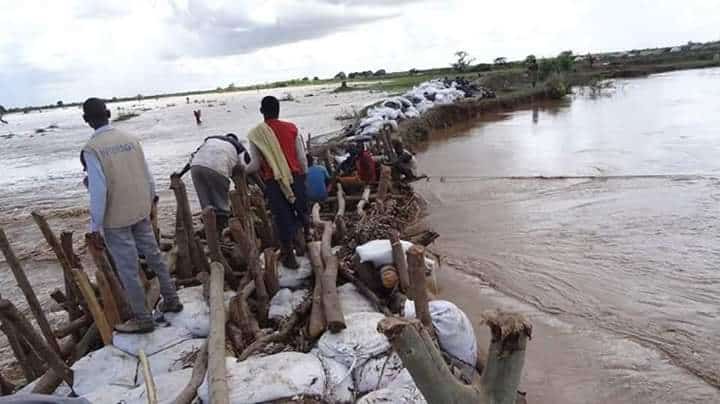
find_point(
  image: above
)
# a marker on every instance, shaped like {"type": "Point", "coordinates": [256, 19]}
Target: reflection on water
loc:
{"type": "Point", "coordinates": [631, 252]}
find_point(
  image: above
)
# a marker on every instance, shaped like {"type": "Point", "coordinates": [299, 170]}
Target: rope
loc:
{"type": "Point", "coordinates": [467, 178]}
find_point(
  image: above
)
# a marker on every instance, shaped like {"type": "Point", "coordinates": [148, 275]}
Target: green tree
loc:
{"type": "Point", "coordinates": [60, 103]}
{"type": "Point", "coordinates": [566, 61]}
{"type": "Point", "coordinates": [463, 61]}
{"type": "Point", "coordinates": [501, 61]}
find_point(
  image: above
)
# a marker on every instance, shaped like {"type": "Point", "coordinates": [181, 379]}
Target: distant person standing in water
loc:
{"type": "Point", "coordinates": [211, 167]}
{"type": "Point", "coordinates": [278, 152]}
{"type": "Point", "coordinates": [122, 193]}
{"type": "Point", "coordinates": [198, 115]}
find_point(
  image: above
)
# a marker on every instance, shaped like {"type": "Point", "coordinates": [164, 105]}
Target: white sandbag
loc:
{"type": "Point", "coordinates": [173, 358]}
{"type": "Point", "coordinates": [351, 301]}
{"type": "Point", "coordinates": [401, 391]}
{"type": "Point", "coordinates": [274, 377]}
{"type": "Point", "coordinates": [107, 394]}
{"type": "Point", "coordinates": [295, 278]}
{"type": "Point", "coordinates": [379, 252]}
{"type": "Point", "coordinates": [192, 294]}
{"type": "Point", "coordinates": [357, 343]}
{"type": "Point", "coordinates": [156, 341]}
{"type": "Point", "coordinates": [454, 329]}
{"type": "Point", "coordinates": [195, 318]}
{"type": "Point", "coordinates": [377, 373]}
{"type": "Point", "coordinates": [285, 302]}
{"type": "Point", "coordinates": [107, 365]}
{"type": "Point", "coordinates": [167, 386]}
{"type": "Point", "coordinates": [339, 386]}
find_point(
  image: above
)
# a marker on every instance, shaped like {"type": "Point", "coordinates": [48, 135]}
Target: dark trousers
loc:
{"type": "Point", "coordinates": [288, 218]}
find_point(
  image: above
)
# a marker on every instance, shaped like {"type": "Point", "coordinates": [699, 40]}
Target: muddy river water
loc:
{"type": "Point", "coordinates": [614, 259]}
{"type": "Point", "coordinates": [614, 254]}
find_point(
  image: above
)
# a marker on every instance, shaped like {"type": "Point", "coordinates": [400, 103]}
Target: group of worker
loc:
{"type": "Point", "coordinates": [122, 193]}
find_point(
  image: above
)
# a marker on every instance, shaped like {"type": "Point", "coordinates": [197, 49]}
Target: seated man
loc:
{"type": "Point", "coordinates": [405, 165]}
{"type": "Point", "coordinates": [317, 181]}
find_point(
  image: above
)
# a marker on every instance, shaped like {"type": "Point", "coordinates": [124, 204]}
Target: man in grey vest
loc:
{"type": "Point", "coordinates": [121, 196]}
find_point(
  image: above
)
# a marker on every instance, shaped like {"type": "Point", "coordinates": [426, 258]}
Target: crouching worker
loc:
{"type": "Point", "coordinates": [278, 152]}
{"type": "Point", "coordinates": [317, 181]}
{"type": "Point", "coordinates": [211, 167]}
{"type": "Point", "coordinates": [121, 195]}
{"type": "Point", "coordinates": [405, 166]}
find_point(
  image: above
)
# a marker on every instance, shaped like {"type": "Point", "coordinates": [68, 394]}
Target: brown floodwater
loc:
{"type": "Point", "coordinates": [598, 218]}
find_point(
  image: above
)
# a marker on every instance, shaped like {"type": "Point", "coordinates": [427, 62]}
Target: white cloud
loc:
{"type": "Point", "coordinates": [71, 49]}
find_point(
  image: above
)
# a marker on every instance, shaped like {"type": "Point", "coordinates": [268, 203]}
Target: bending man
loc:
{"type": "Point", "coordinates": [122, 193]}
{"type": "Point", "coordinates": [279, 153]}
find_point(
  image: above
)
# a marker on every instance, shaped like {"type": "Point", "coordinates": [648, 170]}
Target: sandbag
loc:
{"type": "Point", "coordinates": [156, 341]}
{"type": "Point", "coordinates": [454, 329]}
{"type": "Point", "coordinates": [339, 386]}
{"type": "Point", "coordinates": [352, 301]}
{"type": "Point", "coordinates": [379, 252]}
{"type": "Point", "coordinates": [167, 386]}
{"type": "Point", "coordinates": [274, 377]}
{"type": "Point", "coordinates": [107, 394]}
{"type": "Point", "coordinates": [357, 343]}
{"type": "Point", "coordinates": [402, 390]}
{"type": "Point", "coordinates": [105, 366]}
{"type": "Point", "coordinates": [295, 278]}
{"type": "Point", "coordinates": [285, 302]}
{"type": "Point", "coordinates": [195, 318]}
{"type": "Point", "coordinates": [22, 398]}
{"type": "Point", "coordinates": [377, 373]}
{"type": "Point", "coordinates": [172, 359]}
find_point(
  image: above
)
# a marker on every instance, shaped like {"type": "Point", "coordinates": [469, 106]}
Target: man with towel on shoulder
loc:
{"type": "Point", "coordinates": [278, 152]}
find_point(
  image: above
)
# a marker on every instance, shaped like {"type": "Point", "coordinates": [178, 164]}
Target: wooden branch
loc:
{"type": "Point", "coordinates": [385, 183]}
{"type": "Point", "coordinates": [400, 262]}
{"type": "Point", "coordinates": [364, 201]}
{"type": "Point", "coordinates": [86, 343]}
{"type": "Point", "coordinates": [340, 200]}
{"type": "Point", "coordinates": [268, 233]}
{"type": "Point", "coordinates": [250, 251]}
{"type": "Point", "coordinates": [100, 258]}
{"type": "Point", "coordinates": [340, 227]}
{"type": "Point", "coordinates": [197, 255]}
{"type": "Point", "coordinates": [73, 326]}
{"type": "Point", "coordinates": [416, 265]}
{"type": "Point", "coordinates": [97, 313]}
{"type": "Point", "coordinates": [24, 328]}
{"type": "Point", "coordinates": [28, 291]}
{"type": "Point", "coordinates": [271, 271]}
{"type": "Point", "coordinates": [6, 388]}
{"type": "Point", "coordinates": [216, 342]}
{"type": "Point", "coordinates": [10, 332]}
{"type": "Point", "coordinates": [66, 242]}
{"type": "Point", "coordinates": [240, 201]}
{"type": "Point", "coordinates": [47, 383]}
{"type": "Point", "coordinates": [316, 324]}
{"type": "Point", "coordinates": [109, 306]}
{"type": "Point", "coordinates": [183, 265]}
{"type": "Point", "coordinates": [500, 380]}
{"type": "Point", "coordinates": [72, 291]}
{"type": "Point", "coordinates": [331, 302]}
{"type": "Point", "coordinates": [150, 389]}
{"type": "Point", "coordinates": [282, 334]}
{"type": "Point", "coordinates": [187, 395]}
{"type": "Point", "coordinates": [241, 314]}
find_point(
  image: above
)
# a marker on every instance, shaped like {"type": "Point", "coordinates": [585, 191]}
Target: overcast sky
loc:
{"type": "Point", "coordinates": [72, 49]}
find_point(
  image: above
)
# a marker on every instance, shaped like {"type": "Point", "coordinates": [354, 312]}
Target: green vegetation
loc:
{"type": "Point", "coordinates": [463, 63]}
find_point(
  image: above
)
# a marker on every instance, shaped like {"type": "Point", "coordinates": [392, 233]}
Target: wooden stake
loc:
{"type": "Point", "coordinates": [73, 326]}
{"type": "Point", "coordinates": [183, 264]}
{"type": "Point", "coordinates": [183, 205]}
{"type": "Point", "coordinates": [150, 388]}
{"type": "Point", "coordinates": [331, 301]}
{"type": "Point", "coordinates": [340, 228]}
{"type": "Point", "coordinates": [28, 291]}
{"type": "Point", "coordinates": [400, 261]}
{"type": "Point", "coordinates": [500, 380]}
{"type": "Point", "coordinates": [113, 285]}
{"type": "Point", "coordinates": [24, 328]}
{"type": "Point", "coordinates": [317, 324]}
{"type": "Point", "coordinates": [250, 251]}
{"type": "Point", "coordinates": [98, 315]}
{"type": "Point", "coordinates": [364, 201]}
{"type": "Point", "coordinates": [416, 264]}
{"type": "Point", "coordinates": [17, 347]}
{"type": "Point", "coordinates": [216, 342]}
{"type": "Point", "coordinates": [72, 291]}
{"type": "Point", "coordinates": [72, 306]}
{"type": "Point", "coordinates": [211, 235]}
{"type": "Point", "coordinates": [187, 395]}
{"type": "Point", "coordinates": [385, 183]}
{"type": "Point", "coordinates": [109, 306]}
{"type": "Point", "coordinates": [271, 271]}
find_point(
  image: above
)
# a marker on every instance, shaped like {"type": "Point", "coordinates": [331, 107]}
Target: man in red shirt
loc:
{"type": "Point", "coordinates": [287, 204]}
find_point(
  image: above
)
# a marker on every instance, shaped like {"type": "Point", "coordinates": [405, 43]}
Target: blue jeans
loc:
{"type": "Point", "coordinates": [124, 244]}
{"type": "Point", "coordinates": [288, 218]}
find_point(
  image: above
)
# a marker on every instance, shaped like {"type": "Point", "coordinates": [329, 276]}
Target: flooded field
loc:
{"type": "Point", "coordinates": [613, 253]}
